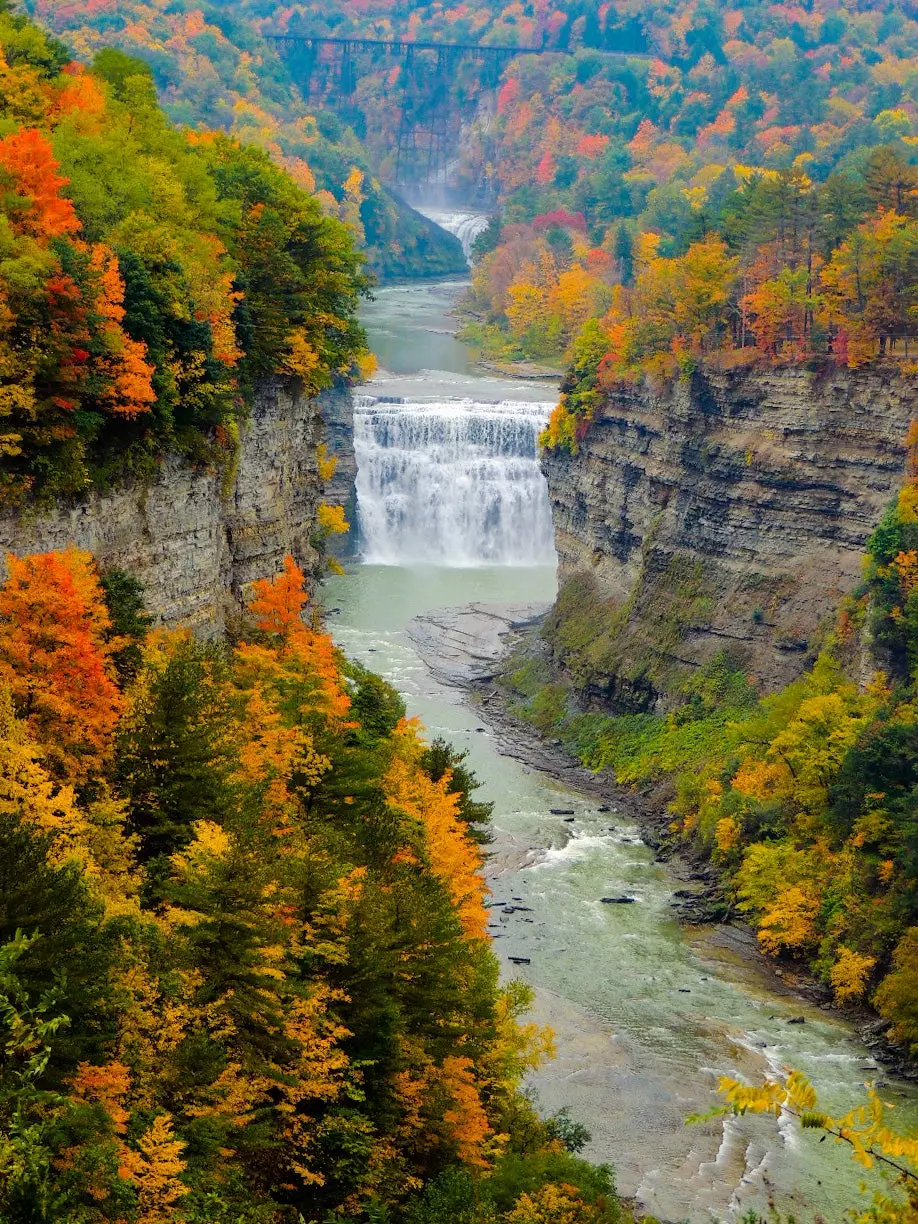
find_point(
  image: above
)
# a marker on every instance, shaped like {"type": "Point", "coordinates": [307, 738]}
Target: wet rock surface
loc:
{"type": "Point", "coordinates": [465, 646]}
{"type": "Point", "coordinates": [338, 436]}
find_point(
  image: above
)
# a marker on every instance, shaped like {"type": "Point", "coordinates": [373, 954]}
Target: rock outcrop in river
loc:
{"type": "Point", "coordinates": [729, 511]}
{"type": "Point", "coordinates": [192, 541]}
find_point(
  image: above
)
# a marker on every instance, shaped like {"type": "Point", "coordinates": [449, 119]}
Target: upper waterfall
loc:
{"type": "Point", "coordinates": [451, 482]}
{"type": "Point", "coordinates": [464, 223]}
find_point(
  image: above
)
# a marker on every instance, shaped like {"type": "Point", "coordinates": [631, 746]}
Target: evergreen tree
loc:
{"type": "Point", "coordinates": [375, 703]}
{"type": "Point", "coordinates": [176, 748]}
{"type": "Point", "coordinates": [130, 621]}
{"type": "Point", "coordinates": [441, 757]}
{"type": "Point", "coordinates": [68, 953]}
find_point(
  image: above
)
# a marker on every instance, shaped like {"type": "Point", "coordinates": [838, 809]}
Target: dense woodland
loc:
{"type": "Point", "coordinates": [244, 974]}
{"type": "Point", "coordinates": [730, 184]}
{"type": "Point", "coordinates": [148, 278]}
{"type": "Point", "coordinates": [736, 182]}
{"type": "Point", "coordinates": [745, 194]}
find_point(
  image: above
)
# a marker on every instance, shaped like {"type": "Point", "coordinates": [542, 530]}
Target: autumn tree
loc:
{"type": "Point", "coordinates": [896, 999]}
{"type": "Point", "coordinates": [250, 966]}
{"type": "Point", "coordinates": [868, 285]}
{"type": "Point", "coordinates": [55, 658]}
{"type": "Point", "coordinates": [125, 329]}
{"type": "Point", "coordinates": [779, 312]}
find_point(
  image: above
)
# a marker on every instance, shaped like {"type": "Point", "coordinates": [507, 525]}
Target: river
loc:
{"type": "Point", "coordinates": [646, 1014]}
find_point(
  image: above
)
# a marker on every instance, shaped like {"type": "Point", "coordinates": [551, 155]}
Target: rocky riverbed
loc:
{"type": "Point", "coordinates": [466, 648]}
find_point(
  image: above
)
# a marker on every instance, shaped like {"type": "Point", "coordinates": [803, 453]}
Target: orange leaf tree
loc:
{"type": "Point", "coordinates": [56, 661]}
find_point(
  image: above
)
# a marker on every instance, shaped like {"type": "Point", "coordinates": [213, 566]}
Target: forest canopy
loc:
{"type": "Point", "coordinates": [743, 191]}
{"type": "Point", "coordinates": [656, 151]}
{"type": "Point", "coordinates": [244, 971]}
{"type": "Point", "coordinates": [148, 277]}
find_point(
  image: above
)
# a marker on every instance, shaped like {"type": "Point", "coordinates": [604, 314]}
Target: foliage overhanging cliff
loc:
{"type": "Point", "coordinates": [150, 278]}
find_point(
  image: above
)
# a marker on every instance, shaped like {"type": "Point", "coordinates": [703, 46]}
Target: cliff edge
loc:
{"type": "Point", "coordinates": [726, 512]}
{"type": "Point", "coordinates": [193, 542]}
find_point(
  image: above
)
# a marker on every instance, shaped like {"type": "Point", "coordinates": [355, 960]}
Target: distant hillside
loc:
{"type": "Point", "coordinates": [150, 278]}
{"type": "Point", "coordinates": [213, 69]}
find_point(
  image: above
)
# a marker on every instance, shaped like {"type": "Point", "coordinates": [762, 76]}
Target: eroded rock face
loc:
{"type": "Point", "coordinates": [728, 511]}
{"type": "Point", "coordinates": [194, 540]}
{"type": "Point", "coordinates": [338, 416]}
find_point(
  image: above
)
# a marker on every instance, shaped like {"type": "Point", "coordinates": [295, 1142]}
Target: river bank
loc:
{"type": "Point", "coordinates": [465, 648]}
{"type": "Point", "coordinates": [468, 647]}
{"type": "Point", "coordinates": [647, 1014]}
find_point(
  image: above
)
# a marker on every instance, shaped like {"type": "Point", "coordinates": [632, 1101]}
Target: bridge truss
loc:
{"type": "Point", "coordinates": [329, 68]}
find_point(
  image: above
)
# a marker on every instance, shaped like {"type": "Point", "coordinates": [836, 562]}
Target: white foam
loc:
{"type": "Point", "coordinates": [579, 847]}
{"type": "Point", "coordinates": [451, 482]}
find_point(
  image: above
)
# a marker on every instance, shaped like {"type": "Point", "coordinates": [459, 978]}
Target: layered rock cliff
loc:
{"type": "Point", "coordinates": [729, 511]}
{"type": "Point", "coordinates": [341, 489]}
{"type": "Point", "coordinates": [195, 540]}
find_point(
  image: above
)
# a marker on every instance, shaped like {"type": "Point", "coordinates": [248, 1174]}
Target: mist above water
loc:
{"type": "Point", "coordinates": [451, 482]}
{"type": "Point", "coordinates": [464, 223]}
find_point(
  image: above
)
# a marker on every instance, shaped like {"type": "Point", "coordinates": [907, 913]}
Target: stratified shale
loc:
{"type": "Point", "coordinates": [727, 512]}
{"type": "Point", "coordinates": [196, 540]}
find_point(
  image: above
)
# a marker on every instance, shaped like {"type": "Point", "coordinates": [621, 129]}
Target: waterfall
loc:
{"type": "Point", "coordinates": [451, 482]}
{"type": "Point", "coordinates": [465, 224]}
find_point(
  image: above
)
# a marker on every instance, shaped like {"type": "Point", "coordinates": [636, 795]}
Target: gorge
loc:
{"type": "Point", "coordinates": [452, 509]}
{"type": "Point", "coordinates": [646, 1014]}
{"type": "Point", "coordinates": [458, 669]}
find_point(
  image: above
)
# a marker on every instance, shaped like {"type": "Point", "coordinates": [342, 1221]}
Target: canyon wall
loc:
{"type": "Point", "coordinates": [194, 539]}
{"type": "Point", "coordinates": [726, 512]}
{"type": "Point", "coordinates": [341, 489]}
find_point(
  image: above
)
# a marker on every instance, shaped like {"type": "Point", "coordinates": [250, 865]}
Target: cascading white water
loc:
{"type": "Point", "coordinates": [466, 225]}
{"type": "Point", "coordinates": [451, 482]}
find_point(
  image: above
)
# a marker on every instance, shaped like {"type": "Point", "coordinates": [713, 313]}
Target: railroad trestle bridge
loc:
{"type": "Point", "coordinates": [328, 68]}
